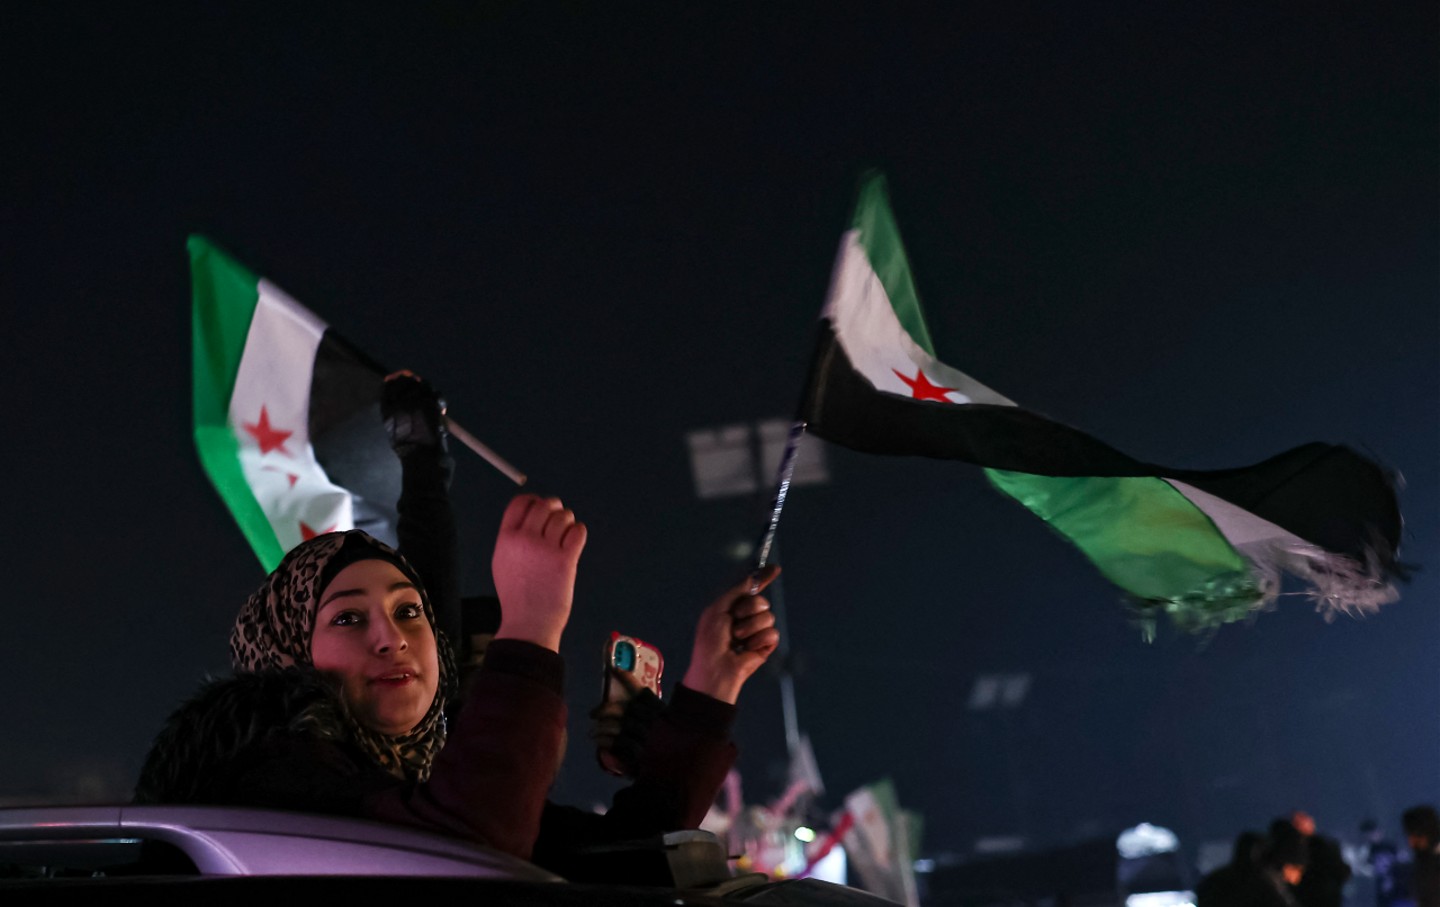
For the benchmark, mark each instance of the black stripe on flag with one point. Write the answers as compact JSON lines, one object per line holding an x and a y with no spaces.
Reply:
{"x":348,"y":436}
{"x":1324,"y":493}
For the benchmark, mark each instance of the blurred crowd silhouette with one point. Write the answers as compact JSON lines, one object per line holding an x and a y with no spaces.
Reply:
{"x":1291,"y":864}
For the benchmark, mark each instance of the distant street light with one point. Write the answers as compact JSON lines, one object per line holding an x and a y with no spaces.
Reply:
{"x":1004,"y":694}
{"x":998,"y":691}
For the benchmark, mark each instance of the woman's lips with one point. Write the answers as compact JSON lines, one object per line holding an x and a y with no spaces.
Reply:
{"x":395,"y":679}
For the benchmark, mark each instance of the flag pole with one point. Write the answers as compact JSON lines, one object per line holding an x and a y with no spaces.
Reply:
{"x":486,"y":454}
{"x":763,"y":550}
{"x":782,"y":488}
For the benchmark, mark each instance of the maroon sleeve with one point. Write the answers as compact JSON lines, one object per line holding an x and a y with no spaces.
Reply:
{"x":490,"y":780}
{"x":683,"y":763}
{"x":682,"y":767}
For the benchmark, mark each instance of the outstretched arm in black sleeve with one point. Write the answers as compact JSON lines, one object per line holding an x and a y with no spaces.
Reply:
{"x":414,"y":415}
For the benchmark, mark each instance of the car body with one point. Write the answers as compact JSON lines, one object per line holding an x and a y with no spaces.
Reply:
{"x":221,"y":855}
{"x":228,"y":841}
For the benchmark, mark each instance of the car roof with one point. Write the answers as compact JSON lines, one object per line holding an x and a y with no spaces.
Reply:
{"x":234,"y":841}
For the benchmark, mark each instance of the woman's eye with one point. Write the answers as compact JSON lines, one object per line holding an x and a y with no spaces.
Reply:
{"x":409,"y":611}
{"x":345,"y":619}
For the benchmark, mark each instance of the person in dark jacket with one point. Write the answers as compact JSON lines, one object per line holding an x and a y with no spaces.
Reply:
{"x":337,"y":703}
{"x":1238,"y":882}
{"x":1285,"y":859}
{"x":1326,"y":871}
{"x":342,"y":680}
{"x":1422,"y":831}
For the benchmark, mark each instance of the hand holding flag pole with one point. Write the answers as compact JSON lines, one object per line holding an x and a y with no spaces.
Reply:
{"x":412,"y":411}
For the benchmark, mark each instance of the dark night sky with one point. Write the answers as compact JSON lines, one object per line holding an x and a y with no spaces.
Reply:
{"x":1204,"y":234}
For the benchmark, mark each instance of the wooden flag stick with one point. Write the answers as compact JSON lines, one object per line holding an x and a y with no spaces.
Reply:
{"x":486,"y":454}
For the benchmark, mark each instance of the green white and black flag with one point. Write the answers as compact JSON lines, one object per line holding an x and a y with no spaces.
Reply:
{"x":1204,"y":546}
{"x":287,"y":418}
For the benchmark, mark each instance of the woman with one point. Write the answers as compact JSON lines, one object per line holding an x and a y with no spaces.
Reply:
{"x":342,"y":680}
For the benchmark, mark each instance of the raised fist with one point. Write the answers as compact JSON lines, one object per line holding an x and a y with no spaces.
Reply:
{"x":536,"y":555}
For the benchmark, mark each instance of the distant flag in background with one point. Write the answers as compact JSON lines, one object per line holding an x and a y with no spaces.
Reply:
{"x":881,"y":841}
{"x":287,"y":419}
{"x":1205,"y":547}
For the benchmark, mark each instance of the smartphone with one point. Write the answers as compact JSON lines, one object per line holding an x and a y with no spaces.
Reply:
{"x":642,"y":664}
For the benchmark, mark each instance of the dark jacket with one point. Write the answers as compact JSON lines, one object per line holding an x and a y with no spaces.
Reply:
{"x":277,"y":740}
{"x":1425,"y":878}
{"x":1235,"y":885}
{"x":1326,"y":873}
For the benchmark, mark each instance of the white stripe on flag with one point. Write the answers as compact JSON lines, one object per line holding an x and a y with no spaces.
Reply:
{"x":275,"y":374}
{"x":878,"y":346}
{"x":1239,"y":526}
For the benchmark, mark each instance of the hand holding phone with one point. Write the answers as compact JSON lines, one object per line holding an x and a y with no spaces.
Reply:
{"x":630,"y":666}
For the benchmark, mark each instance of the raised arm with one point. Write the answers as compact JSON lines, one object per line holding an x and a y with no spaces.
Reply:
{"x":735,"y":636}
{"x":490,"y":780}
{"x":687,"y":750}
{"x":414,"y":415}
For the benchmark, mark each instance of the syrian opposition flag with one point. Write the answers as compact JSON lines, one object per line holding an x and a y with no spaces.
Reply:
{"x":287,"y":415}
{"x":1206,"y":547}
{"x":880,"y":840}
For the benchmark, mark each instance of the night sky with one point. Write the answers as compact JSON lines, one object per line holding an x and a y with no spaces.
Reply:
{"x":1202,"y":232}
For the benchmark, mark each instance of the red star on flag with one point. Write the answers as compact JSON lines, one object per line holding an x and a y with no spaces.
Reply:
{"x":306,"y":533}
{"x":267,"y":437}
{"x":922,"y":389}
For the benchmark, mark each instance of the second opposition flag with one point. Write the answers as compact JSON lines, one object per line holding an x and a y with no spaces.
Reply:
{"x":1204,"y":546}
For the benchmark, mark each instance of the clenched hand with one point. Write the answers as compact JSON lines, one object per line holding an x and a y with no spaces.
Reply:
{"x":735,"y":635}
{"x":536,"y":554}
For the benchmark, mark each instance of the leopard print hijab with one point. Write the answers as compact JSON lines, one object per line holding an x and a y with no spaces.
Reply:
{"x":275,"y":626}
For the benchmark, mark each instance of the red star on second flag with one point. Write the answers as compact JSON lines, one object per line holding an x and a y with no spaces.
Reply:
{"x":922,"y":389}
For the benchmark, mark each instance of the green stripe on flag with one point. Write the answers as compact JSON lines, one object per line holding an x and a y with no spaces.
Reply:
{"x":223,"y":304}
{"x":1144,"y":536}
{"x":880,"y":237}
{"x":225,"y":295}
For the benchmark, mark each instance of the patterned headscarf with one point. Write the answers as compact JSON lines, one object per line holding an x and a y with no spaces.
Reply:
{"x":274,"y":629}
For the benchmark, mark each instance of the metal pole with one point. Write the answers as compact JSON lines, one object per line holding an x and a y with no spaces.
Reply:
{"x":782,"y":488}
{"x":764,"y":550}
{"x":787,"y":675}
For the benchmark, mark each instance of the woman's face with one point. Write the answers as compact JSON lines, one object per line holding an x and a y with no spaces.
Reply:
{"x":371,"y":632}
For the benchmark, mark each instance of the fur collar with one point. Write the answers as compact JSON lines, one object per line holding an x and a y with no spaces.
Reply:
{"x":213,"y":729}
